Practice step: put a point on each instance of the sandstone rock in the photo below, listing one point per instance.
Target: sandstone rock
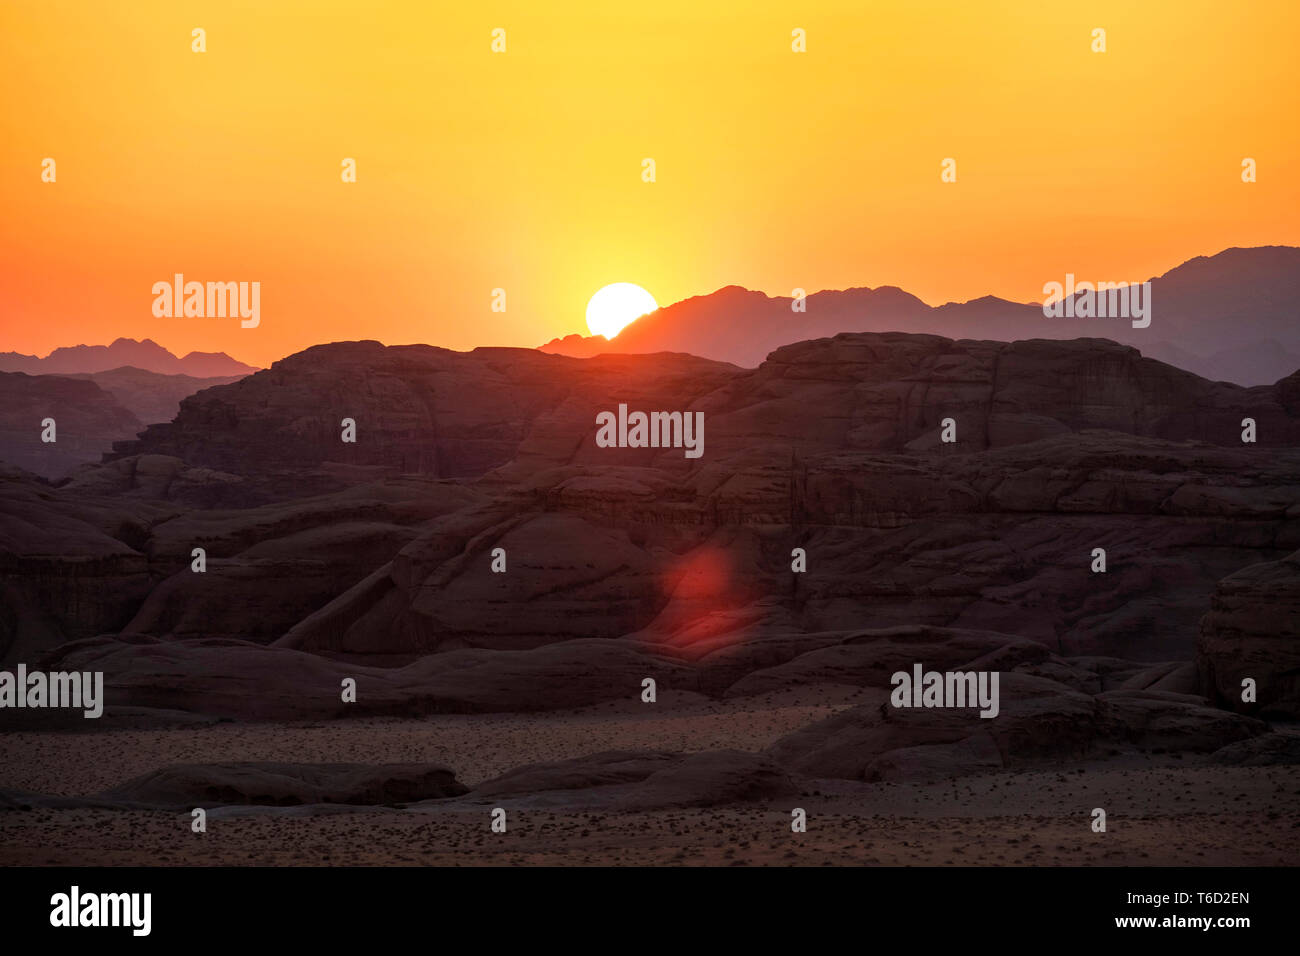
(266, 589)
(1265, 751)
(418, 409)
(185, 786)
(1253, 631)
(605, 769)
(63, 573)
(151, 396)
(977, 753)
(1040, 722)
(1154, 720)
(870, 658)
(1177, 677)
(711, 779)
(268, 567)
(1039, 719)
(631, 781)
(246, 681)
(88, 420)
(332, 552)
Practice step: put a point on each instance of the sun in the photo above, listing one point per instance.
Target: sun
(613, 307)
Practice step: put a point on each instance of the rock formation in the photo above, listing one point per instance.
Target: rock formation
(376, 560)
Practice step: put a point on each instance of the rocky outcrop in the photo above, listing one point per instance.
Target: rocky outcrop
(1266, 751)
(1252, 632)
(111, 553)
(418, 410)
(875, 741)
(91, 412)
(633, 781)
(430, 411)
(891, 391)
(69, 568)
(1062, 448)
(186, 786)
(1000, 541)
(247, 681)
(389, 553)
(87, 422)
(1179, 723)
(618, 781)
(1040, 722)
(860, 659)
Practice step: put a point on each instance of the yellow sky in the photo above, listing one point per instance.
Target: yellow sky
(522, 170)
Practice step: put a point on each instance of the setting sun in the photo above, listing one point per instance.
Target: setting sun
(613, 307)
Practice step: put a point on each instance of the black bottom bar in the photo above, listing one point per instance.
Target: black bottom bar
(329, 907)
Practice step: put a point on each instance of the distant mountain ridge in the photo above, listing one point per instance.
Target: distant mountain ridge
(1233, 316)
(147, 355)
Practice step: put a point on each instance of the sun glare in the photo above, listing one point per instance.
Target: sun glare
(613, 307)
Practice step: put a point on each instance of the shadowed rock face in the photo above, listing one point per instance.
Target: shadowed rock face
(424, 410)
(625, 781)
(284, 785)
(1040, 722)
(246, 681)
(379, 554)
(91, 411)
(999, 541)
(108, 553)
(1062, 447)
(69, 567)
(150, 396)
(1268, 750)
(87, 422)
(419, 410)
(1252, 631)
(641, 780)
(890, 392)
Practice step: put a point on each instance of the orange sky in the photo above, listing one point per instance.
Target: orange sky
(522, 170)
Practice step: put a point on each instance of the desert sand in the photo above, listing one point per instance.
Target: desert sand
(1161, 809)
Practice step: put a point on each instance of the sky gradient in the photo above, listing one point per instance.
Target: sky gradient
(523, 170)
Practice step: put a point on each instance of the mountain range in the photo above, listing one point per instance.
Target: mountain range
(1234, 317)
(147, 355)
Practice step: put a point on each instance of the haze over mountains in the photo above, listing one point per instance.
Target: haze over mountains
(1234, 317)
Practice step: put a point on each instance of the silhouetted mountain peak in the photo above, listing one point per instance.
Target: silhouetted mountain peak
(1229, 317)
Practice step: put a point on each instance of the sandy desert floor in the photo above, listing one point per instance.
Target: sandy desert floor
(1161, 810)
